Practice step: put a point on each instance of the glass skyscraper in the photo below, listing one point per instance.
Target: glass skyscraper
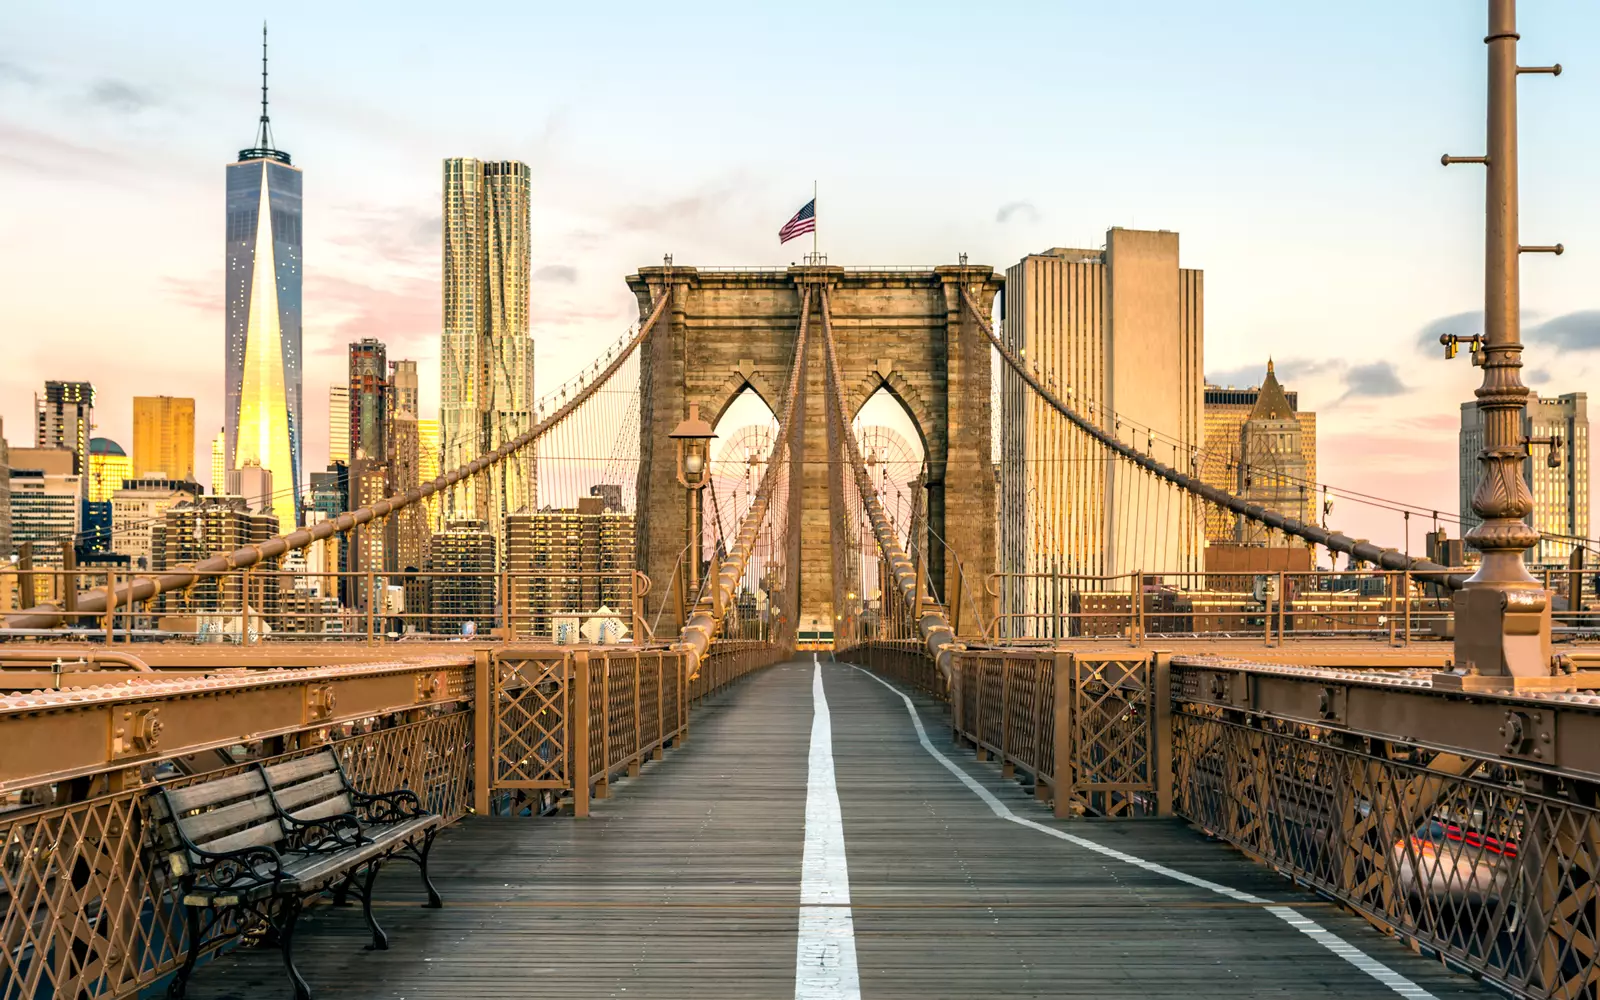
(486, 376)
(263, 287)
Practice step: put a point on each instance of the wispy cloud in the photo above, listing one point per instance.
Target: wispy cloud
(1022, 211)
(561, 274)
(1378, 380)
(120, 96)
(1576, 331)
(15, 72)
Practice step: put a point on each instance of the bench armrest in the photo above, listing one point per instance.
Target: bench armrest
(324, 835)
(389, 807)
(245, 868)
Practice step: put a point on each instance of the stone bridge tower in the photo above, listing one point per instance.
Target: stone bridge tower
(901, 329)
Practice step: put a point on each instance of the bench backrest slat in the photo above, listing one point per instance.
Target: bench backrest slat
(206, 793)
(296, 799)
(301, 768)
(311, 787)
(226, 814)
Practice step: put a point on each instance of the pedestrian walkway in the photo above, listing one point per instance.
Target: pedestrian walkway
(724, 871)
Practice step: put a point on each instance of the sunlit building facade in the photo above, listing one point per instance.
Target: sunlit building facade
(263, 311)
(486, 378)
(163, 437)
(1560, 488)
(1227, 410)
(109, 465)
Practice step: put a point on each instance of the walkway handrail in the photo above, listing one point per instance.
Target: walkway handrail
(145, 588)
(704, 622)
(937, 633)
(1334, 541)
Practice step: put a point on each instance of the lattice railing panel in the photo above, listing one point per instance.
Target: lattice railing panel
(530, 721)
(1112, 761)
(87, 910)
(1485, 869)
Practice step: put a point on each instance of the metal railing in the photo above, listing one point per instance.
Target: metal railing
(85, 910)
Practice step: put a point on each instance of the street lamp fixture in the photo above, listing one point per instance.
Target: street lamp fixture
(694, 473)
(694, 445)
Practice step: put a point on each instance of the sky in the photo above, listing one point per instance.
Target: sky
(1295, 147)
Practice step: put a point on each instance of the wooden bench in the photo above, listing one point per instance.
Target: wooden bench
(252, 849)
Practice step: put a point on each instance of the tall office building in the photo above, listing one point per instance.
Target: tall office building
(428, 466)
(219, 463)
(486, 377)
(568, 563)
(64, 418)
(369, 401)
(254, 486)
(408, 527)
(163, 437)
(1226, 410)
(46, 502)
(136, 508)
(263, 299)
(339, 423)
(192, 530)
(1560, 492)
(1271, 472)
(1118, 333)
(109, 465)
(463, 590)
(5, 498)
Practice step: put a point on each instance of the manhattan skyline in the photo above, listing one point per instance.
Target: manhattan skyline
(1303, 178)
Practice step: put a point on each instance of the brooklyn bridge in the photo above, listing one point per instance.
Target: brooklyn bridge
(849, 724)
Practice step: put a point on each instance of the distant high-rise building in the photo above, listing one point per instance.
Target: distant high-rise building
(369, 402)
(1227, 409)
(5, 498)
(137, 508)
(1271, 470)
(1560, 492)
(330, 497)
(263, 301)
(428, 466)
(486, 376)
(462, 557)
(219, 463)
(109, 465)
(163, 437)
(568, 562)
(46, 501)
(339, 423)
(254, 485)
(64, 418)
(192, 530)
(408, 527)
(1118, 333)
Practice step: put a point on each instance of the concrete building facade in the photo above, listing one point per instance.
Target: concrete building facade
(1560, 491)
(1118, 334)
(137, 508)
(568, 563)
(64, 419)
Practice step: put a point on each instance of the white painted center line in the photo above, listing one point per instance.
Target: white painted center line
(825, 956)
(1349, 952)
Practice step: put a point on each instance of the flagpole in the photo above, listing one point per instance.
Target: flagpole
(813, 221)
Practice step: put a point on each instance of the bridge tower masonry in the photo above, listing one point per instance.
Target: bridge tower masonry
(901, 329)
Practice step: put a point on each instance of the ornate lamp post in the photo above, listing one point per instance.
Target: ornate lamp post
(1502, 617)
(694, 472)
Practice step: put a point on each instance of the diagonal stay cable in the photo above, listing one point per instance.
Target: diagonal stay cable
(1334, 541)
(146, 587)
(934, 626)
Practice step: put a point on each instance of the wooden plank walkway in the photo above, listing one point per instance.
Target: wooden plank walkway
(685, 883)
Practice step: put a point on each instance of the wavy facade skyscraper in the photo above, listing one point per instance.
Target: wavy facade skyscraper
(486, 377)
(263, 288)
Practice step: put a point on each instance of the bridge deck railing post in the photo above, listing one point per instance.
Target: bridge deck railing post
(578, 733)
(1062, 766)
(484, 704)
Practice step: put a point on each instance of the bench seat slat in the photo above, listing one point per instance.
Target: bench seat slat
(336, 806)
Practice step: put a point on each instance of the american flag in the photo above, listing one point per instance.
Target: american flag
(804, 221)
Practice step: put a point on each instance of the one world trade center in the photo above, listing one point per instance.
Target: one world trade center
(264, 362)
